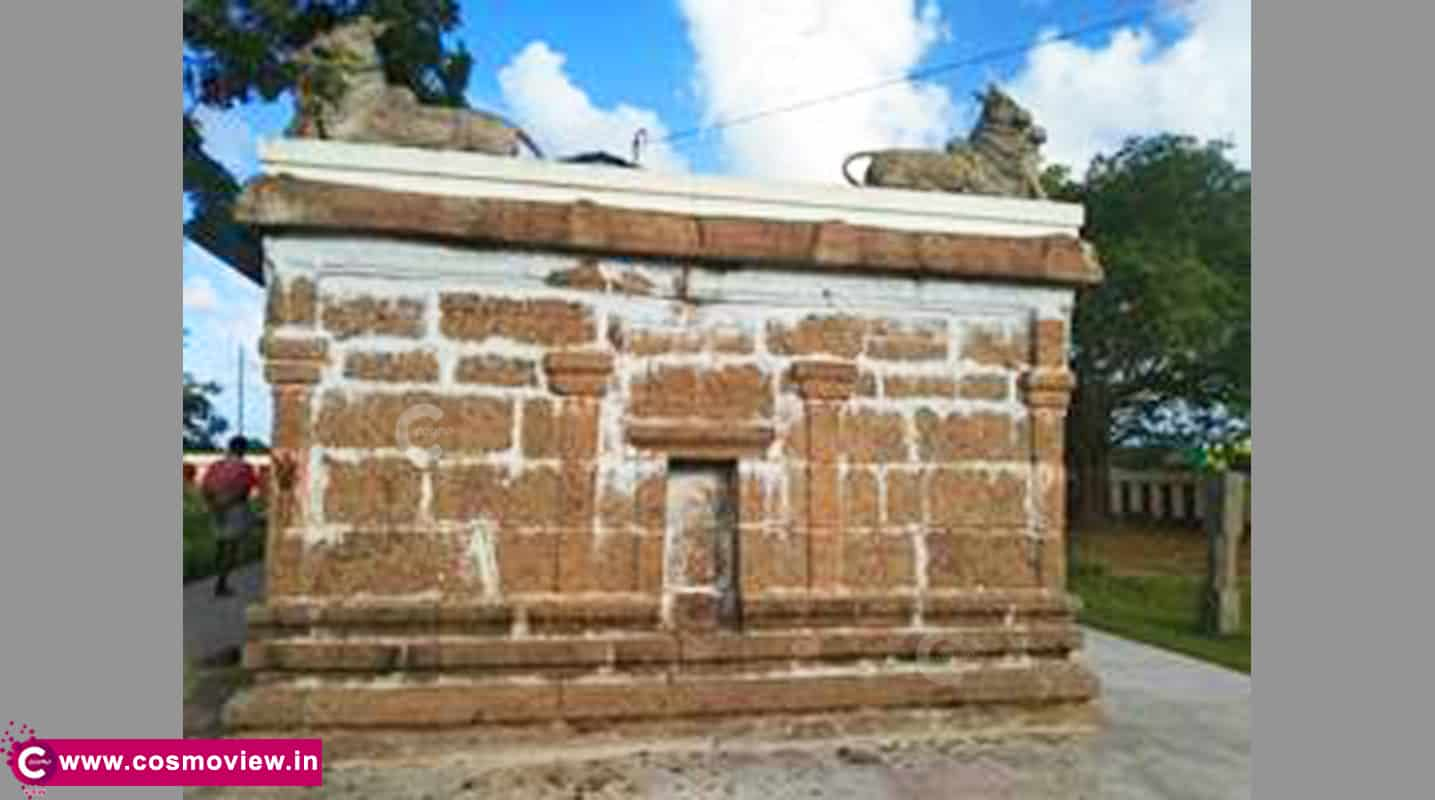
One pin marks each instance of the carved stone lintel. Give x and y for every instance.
(702, 441)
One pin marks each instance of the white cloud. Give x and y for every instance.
(563, 119)
(754, 55)
(1091, 99)
(199, 294)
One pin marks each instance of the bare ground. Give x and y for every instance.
(899, 765)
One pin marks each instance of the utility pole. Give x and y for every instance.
(241, 390)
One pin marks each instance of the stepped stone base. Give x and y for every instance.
(417, 665)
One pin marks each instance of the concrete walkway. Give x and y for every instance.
(215, 624)
(1177, 728)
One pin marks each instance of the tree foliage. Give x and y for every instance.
(236, 51)
(1167, 333)
(202, 423)
(1162, 347)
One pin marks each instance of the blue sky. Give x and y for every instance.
(584, 76)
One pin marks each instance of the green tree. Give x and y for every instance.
(1161, 349)
(236, 51)
(202, 424)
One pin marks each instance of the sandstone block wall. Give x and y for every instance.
(508, 432)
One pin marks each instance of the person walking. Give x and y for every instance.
(226, 487)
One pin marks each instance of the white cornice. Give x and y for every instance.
(475, 175)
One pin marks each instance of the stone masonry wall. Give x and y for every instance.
(492, 425)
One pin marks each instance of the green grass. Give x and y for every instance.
(1160, 610)
(199, 545)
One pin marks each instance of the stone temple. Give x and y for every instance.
(567, 442)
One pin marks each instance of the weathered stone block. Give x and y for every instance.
(727, 393)
(494, 370)
(378, 562)
(900, 387)
(995, 348)
(528, 562)
(861, 502)
(606, 562)
(431, 706)
(531, 498)
(456, 425)
(984, 387)
(1050, 343)
(969, 561)
(839, 335)
(401, 317)
(578, 428)
(873, 437)
(905, 492)
(540, 429)
(294, 348)
(291, 301)
(292, 429)
(415, 366)
(921, 346)
(824, 487)
(873, 560)
(967, 497)
(651, 554)
(373, 491)
(980, 436)
(475, 318)
(773, 558)
(655, 342)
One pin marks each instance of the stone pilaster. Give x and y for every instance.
(292, 367)
(580, 379)
(1047, 392)
(824, 386)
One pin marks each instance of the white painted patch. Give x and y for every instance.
(483, 558)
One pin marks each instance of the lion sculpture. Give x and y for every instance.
(1001, 156)
(343, 96)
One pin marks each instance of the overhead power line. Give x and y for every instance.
(928, 72)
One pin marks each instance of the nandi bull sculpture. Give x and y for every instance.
(344, 96)
(1001, 156)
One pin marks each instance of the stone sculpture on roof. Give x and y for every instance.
(344, 96)
(1001, 157)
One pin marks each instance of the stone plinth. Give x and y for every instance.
(486, 371)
